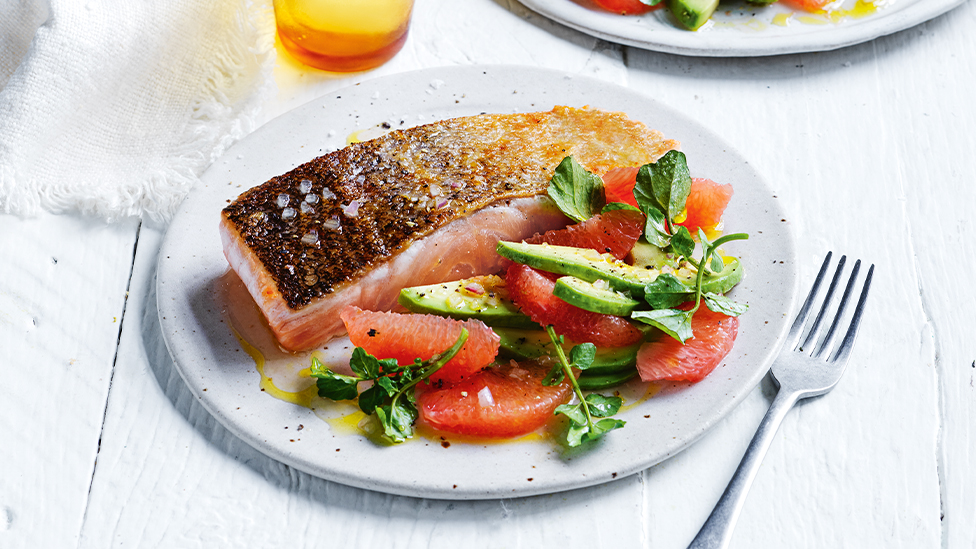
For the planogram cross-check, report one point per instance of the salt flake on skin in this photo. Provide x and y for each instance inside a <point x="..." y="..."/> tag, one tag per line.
<point x="352" y="210"/>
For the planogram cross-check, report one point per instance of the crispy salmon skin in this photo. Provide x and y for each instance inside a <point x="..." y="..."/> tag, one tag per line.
<point x="415" y="206"/>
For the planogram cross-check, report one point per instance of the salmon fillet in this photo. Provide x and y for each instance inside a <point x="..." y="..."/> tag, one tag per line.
<point x="413" y="207"/>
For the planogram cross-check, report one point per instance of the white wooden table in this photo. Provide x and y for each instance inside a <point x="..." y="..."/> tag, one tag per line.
<point x="871" y="150"/>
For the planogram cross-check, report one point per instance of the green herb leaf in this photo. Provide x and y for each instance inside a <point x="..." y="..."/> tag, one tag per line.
<point x="655" y="228"/>
<point x="601" y="428"/>
<point x="665" y="184"/>
<point x="575" y="433"/>
<point x="367" y="366"/>
<point x="721" y="304"/>
<point x="578" y="193"/>
<point x="674" y="322"/>
<point x="573" y="412"/>
<point x="619" y="206"/>
<point x="666" y="292"/>
<point x="332" y="385"/>
<point x="337" y="386"/>
<point x="397" y="420"/>
<point x="603" y="406"/>
<point x="717" y="264"/>
<point x="682" y="243"/>
<point x="371" y="398"/>
<point x="555" y="376"/>
<point x="582" y="355"/>
<point x="388" y="386"/>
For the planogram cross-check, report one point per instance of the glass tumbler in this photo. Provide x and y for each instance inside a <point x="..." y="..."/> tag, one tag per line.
<point x="343" y="35"/>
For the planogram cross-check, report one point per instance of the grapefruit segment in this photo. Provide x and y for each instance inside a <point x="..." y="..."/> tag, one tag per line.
<point x="667" y="359"/>
<point x="627" y="7"/>
<point x="618" y="184"/>
<point x="503" y="401"/>
<point x="704" y="207"/>
<point x="613" y="232"/>
<point x="406" y="337"/>
<point x="531" y="290"/>
<point x="706" y="203"/>
<point x="808" y="5"/>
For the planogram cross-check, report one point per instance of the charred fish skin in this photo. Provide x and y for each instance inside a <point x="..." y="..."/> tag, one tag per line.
<point x="322" y="226"/>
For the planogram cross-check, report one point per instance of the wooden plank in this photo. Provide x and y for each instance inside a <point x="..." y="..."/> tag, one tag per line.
<point x="62" y="294"/>
<point x="933" y="154"/>
<point x="858" y="466"/>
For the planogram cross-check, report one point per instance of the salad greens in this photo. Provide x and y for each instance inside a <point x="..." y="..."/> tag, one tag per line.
<point x="661" y="191"/>
<point x="582" y="428"/>
<point x="391" y="397"/>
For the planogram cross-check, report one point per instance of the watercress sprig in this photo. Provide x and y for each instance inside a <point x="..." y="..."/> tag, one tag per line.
<point x="391" y="396"/>
<point x="582" y="427"/>
<point x="661" y="190"/>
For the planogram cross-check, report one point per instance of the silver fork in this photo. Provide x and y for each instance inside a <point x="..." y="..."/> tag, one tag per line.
<point x="802" y="370"/>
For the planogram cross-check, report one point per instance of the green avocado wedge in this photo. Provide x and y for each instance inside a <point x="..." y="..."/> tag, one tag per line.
<point x="692" y="13"/>
<point x="488" y="302"/>
<point x="590" y="297"/>
<point x="522" y="344"/>
<point x="590" y="266"/>
<point x="597" y="382"/>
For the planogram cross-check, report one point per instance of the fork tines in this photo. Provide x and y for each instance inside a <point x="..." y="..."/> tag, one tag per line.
<point x="824" y="345"/>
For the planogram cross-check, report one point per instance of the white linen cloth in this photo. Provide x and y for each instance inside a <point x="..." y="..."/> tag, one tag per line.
<point x="115" y="107"/>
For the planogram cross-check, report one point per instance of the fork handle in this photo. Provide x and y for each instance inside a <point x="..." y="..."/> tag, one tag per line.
<point x="717" y="530"/>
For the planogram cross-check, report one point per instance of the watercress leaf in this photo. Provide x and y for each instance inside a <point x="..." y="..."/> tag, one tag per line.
<point x="603" y="406"/>
<point x="371" y="398"/>
<point x="573" y="412"/>
<point x="578" y="193"/>
<point x="582" y="355"/>
<point x="575" y="434"/>
<point x="367" y="366"/>
<point x="721" y="304"/>
<point x="703" y="238"/>
<point x="681" y="242"/>
<point x="601" y="428"/>
<point x="655" y="228"/>
<point x="336" y="386"/>
<point x="619" y="206"/>
<point x="717" y="264"/>
<point x="387" y="385"/>
<point x="317" y="368"/>
<point x="667" y="181"/>
<point x="674" y="322"/>
<point x="666" y="292"/>
<point x="555" y="376"/>
<point x="397" y="420"/>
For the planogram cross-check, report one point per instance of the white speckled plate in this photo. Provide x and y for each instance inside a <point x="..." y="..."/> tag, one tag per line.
<point x="739" y="29"/>
<point x="199" y="300"/>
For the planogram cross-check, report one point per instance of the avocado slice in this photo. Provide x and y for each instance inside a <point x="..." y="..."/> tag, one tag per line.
<point x="598" y="382"/>
<point x="590" y="265"/>
<point x="588" y="296"/>
<point x="534" y="343"/>
<point x="645" y="254"/>
<point x="483" y="297"/>
<point x="692" y="13"/>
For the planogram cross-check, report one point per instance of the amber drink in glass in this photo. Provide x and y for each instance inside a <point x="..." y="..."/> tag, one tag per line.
<point x="343" y="35"/>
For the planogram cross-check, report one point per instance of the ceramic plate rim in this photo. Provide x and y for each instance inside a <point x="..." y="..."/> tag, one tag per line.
<point x="202" y="346"/>
<point x="662" y="34"/>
